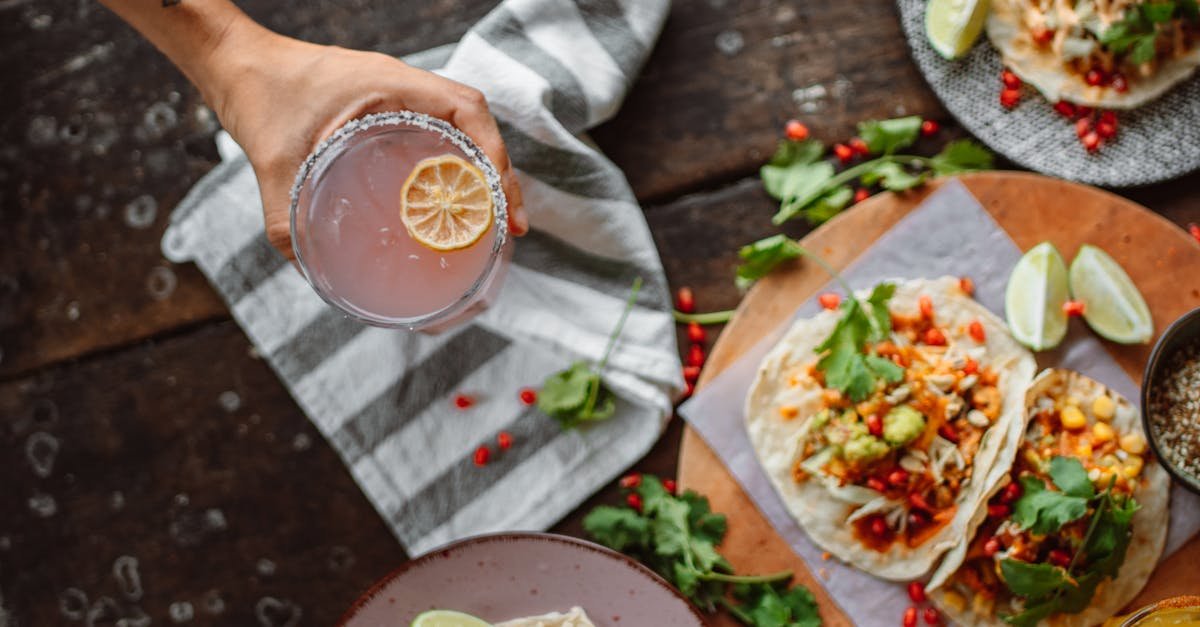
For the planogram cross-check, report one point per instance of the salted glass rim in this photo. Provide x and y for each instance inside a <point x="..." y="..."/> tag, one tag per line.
<point x="332" y="147"/>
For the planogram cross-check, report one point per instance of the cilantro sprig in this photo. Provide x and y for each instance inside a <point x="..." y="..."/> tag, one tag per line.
<point x="807" y="185"/>
<point x="1138" y="30"/>
<point x="677" y="536"/>
<point x="578" y="395"/>
<point x="1048" y="589"/>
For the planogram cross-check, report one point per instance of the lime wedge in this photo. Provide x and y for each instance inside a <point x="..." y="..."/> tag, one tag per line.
<point x="952" y="26"/>
<point x="1112" y="304"/>
<point x="1037" y="289"/>
<point x="448" y="618"/>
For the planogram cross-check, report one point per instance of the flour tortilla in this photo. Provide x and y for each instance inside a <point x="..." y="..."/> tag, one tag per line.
<point x="821" y="514"/>
<point x="1149" y="523"/>
<point x="575" y="617"/>
<point x="1045" y="70"/>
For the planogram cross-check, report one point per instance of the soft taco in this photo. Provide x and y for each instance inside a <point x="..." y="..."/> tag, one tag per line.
<point x="1115" y="54"/>
<point x="1079" y="524"/>
<point x="886" y="474"/>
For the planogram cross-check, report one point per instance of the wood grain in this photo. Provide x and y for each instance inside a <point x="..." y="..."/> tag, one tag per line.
<point x="1031" y="209"/>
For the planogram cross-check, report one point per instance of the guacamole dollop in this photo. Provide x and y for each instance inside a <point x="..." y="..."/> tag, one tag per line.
<point x="902" y="425"/>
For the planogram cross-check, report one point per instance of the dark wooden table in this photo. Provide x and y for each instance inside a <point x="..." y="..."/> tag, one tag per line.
<point x="172" y="442"/>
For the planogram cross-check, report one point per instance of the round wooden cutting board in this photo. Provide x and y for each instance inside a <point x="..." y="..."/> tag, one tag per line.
<point x="1162" y="259"/>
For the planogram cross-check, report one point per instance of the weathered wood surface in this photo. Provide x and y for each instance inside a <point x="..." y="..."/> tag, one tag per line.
<point x="127" y="375"/>
<point x="1152" y="250"/>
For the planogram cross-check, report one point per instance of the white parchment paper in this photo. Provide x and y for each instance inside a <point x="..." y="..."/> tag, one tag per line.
<point x="950" y="233"/>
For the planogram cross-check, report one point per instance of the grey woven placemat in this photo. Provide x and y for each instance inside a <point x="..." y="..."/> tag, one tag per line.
<point x="1156" y="142"/>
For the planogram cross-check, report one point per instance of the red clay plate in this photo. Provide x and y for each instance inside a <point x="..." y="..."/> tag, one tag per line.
<point x="509" y="575"/>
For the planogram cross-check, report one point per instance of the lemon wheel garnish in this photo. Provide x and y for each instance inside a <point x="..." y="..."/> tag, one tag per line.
<point x="446" y="204"/>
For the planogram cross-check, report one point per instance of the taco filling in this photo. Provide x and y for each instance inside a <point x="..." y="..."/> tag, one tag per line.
<point x="1058" y="532"/>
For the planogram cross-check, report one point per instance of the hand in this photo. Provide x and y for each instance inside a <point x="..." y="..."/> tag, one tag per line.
<point x="279" y="97"/>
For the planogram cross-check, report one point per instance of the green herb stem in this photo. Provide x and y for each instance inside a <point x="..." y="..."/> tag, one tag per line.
<point x="1104" y="498"/>
<point x="772" y="578"/>
<point x="849" y="174"/>
<point x="736" y="611"/>
<point x="612" y="339"/>
<point x="712" y="317"/>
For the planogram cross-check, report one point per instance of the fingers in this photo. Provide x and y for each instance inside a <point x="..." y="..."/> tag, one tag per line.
<point x="278" y="220"/>
<point x="472" y="116"/>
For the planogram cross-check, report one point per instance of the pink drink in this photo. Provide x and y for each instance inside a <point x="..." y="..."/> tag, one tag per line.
<point x="355" y="250"/>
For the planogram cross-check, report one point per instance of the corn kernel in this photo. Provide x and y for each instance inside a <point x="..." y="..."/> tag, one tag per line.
<point x="981" y="605"/>
<point x="1105" y="477"/>
<point x="1084" y="450"/>
<point x="1133" y="443"/>
<point x="1133" y="467"/>
<point x="1032" y="458"/>
<point x="1072" y="418"/>
<point x="787" y="412"/>
<point x="1102" y="433"/>
<point x="1104" y="408"/>
<point x="954" y="601"/>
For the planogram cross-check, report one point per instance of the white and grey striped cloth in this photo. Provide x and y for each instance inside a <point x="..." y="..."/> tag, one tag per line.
<point x="551" y="69"/>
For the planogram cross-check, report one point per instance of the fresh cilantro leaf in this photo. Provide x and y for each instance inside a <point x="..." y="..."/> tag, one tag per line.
<point x="1044" y="511"/>
<point x="1033" y="581"/>
<point x="1069" y="475"/>
<point x="880" y="317"/>
<point x="1158" y="12"/>
<point x="795" y="182"/>
<point x="888" y="136"/>
<point x="1143" y="50"/>
<point x="759" y="258"/>
<point x="884" y="368"/>
<point x="962" y="155"/>
<point x="892" y="177"/>
<point x="577" y="394"/>
<point x="703" y="522"/>
<point x="829" y="205"/>
<point x="844" y="360"/>
<point x="766" y="605"/>
<point x="790" y="152"/>
<point x="619" y="528"/>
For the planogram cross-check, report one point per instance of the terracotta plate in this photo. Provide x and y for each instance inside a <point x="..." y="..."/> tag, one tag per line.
<point x="503" y="576"/>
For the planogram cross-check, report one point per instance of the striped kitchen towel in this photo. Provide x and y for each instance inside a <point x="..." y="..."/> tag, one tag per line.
<point x="551" y="69"/>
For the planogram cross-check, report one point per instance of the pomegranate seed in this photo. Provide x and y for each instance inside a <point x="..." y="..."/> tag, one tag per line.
<point x="1194" y="229"/>
<point x="879" y="526"/>
<point x="947" y="431"/>
<point x="916" y="591"/>
<point x="917" y="518"/>
<point x="898" y="477"/>
<point x="1091" y="141"/>
<point x="910" y="617"/>
<point x="929" y="128"/>
<point x="630" y="481"/>
<point x="925" y="303"/>
<point x="875" y="484"/>
<point x="684" y="300"/>
<point x="1105" y="130"/>
<point x="669" y="485"/>
<point x="844" y="153"/>
<point x="796" y="130"/>
<point x="634" y="500"/>
<point x="971" y="367"/>
<point x="999" y="510"/>
<point x="861" y="194"/>
<point x="1065" y="108"/>
<point x="934" y="337"/>
<point x="830" y="300"/>
<point x="1060" y="558"/>
<point x="1119" y="83"/>
<point x="932" y="617"/>
<point x="1073" y="308"/>
<point x="1011" y="81"/>
<point x="1109" y="117"/>
<point x="917" y="501"/>
<point x="1083" y="110"/>
<point x="992" y="546"/>
<point x="1010" y="493"/>
<point x="695" y="333"/>
<point x="504" y="440"/>
<point x="859" y="146"/>
<point x="967" y="285"/>
<point x="1010" y="98"/>
<point x="462" y="401"/>
<point x="875" y="425"/>
<point x="1094" y="78"/>
<point x="691" y="373"/>
<point x="977" y="331"/>
<point x="695" y="355"/>
<point x="528" y="396"/>
<point x="1043" y="36"/>
<point x="1083" y="126"/>
<point x="482" y="455"/>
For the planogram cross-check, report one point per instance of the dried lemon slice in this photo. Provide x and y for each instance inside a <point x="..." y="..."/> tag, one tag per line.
<point x="445" y="204"/>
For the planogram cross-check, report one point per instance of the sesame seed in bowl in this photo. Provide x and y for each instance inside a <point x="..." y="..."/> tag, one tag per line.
<point x="1171" y="399"/>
